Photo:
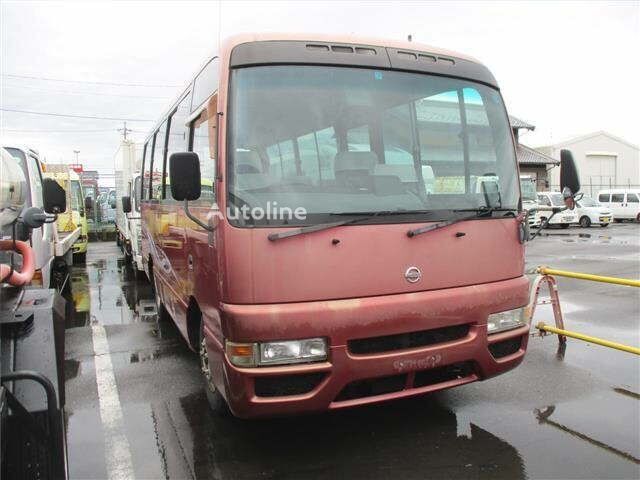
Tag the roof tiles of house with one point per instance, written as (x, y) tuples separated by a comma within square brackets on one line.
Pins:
[(517, 123), (529, 156)]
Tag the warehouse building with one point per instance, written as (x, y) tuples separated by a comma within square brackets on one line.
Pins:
[(603, 160)]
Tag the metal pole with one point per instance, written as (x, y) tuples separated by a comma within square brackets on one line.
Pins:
[(587, 338), (586, 276)]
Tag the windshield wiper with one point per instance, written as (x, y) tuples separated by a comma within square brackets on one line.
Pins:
[(360, 217), (479, 212)]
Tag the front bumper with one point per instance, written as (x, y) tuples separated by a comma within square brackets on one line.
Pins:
[(80, 245), (348, 379)]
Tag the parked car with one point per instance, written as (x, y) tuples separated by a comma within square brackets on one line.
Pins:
[(554, 199), (624, 203), (591, 212)]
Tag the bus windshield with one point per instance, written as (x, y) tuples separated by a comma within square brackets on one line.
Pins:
[(336, 139)]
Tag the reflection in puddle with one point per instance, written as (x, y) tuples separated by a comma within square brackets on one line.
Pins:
[(402, 440), (585, 238), (106, 291), (542, 415)]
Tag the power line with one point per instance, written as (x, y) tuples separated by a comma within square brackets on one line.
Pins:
[(65, 131), (117, 84), (49, 114), (100, 94)]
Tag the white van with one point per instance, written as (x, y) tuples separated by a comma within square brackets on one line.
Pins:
[(623, 203), (591, 212), (554, 199)]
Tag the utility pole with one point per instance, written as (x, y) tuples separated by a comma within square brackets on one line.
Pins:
[(76, 152), (125, 130)]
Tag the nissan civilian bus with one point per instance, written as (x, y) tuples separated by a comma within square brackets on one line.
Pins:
[(346, 252)]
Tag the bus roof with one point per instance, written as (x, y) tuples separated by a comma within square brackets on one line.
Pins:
[(249, 49), (233, 41)]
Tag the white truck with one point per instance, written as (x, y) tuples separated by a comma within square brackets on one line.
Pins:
[(127, 179), (52, 249)]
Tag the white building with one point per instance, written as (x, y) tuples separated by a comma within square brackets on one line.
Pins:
[(603, 160)]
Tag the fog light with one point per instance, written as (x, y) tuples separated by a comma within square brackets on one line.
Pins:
[(293, 351), (502, 321)]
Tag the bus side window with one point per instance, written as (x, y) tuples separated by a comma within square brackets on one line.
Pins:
[(157, 165), (203, 142), (148, 159), (177, 141)]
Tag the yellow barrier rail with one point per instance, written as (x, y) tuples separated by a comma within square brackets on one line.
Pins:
[(598, 341), (586, 276)]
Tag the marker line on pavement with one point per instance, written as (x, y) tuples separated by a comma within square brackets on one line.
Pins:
[(117, 452)]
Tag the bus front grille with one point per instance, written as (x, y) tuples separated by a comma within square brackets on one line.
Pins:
[(401, 341)]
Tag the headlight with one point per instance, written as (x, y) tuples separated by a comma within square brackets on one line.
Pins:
[(501, 321), (276, 353)]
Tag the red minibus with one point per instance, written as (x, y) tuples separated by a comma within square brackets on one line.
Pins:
[(337, 221)]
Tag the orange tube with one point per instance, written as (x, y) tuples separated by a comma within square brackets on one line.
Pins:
[(18, 278)]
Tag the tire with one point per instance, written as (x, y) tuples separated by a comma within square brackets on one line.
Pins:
[(565, 225), (585, 222), (604, 225), (214, 398), (127, 256), (638, 218), (80, 257)]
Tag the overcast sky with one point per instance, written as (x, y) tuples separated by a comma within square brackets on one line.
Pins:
[(569, 68)]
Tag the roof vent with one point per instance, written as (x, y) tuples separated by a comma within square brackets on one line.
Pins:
[(447, 61), (341, 49), (407, 55), (427, 58), (318, 48), (366, 51)]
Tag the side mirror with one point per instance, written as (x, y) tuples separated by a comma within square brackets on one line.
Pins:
[(126, 204), (569, 178), (55, 198), (88, 203), (184, 175)]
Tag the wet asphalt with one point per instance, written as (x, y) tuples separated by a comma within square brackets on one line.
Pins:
[(561, 414)]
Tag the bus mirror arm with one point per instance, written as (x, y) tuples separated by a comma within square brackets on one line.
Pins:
[(554, 210), (194, 219)]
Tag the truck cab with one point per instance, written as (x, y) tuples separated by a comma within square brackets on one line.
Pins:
[(42, 239), (74, 219)]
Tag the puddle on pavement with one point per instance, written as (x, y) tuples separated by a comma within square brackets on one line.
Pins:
[(106, 291), (173, 435), (585, 238)]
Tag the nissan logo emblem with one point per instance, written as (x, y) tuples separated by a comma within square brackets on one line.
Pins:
[(413, 274)]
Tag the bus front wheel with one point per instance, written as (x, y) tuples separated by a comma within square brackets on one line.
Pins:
[(216, 402)]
